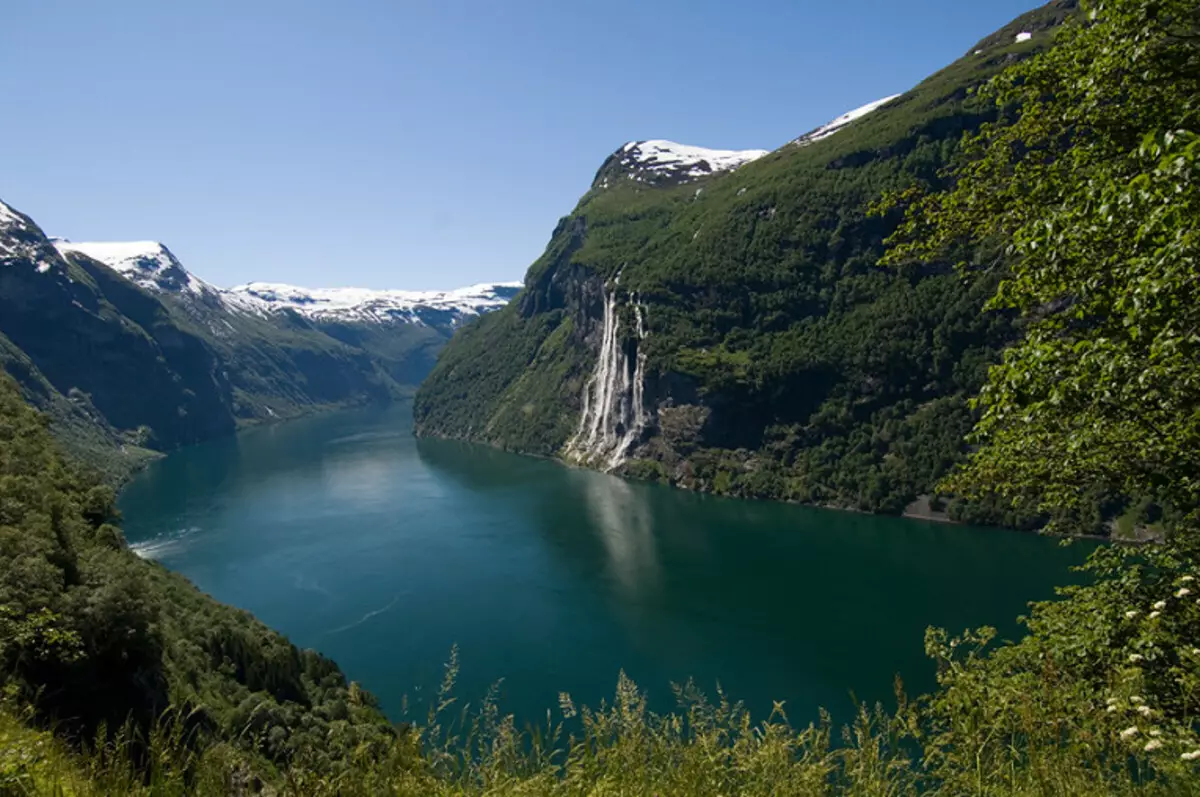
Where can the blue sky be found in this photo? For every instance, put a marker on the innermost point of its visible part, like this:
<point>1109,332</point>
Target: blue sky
<point>412,144</point>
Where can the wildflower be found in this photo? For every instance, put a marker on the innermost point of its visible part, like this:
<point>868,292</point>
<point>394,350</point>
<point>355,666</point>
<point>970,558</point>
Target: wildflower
<point>1160,605</point>
<point>1152,745</point>
<point>1154,732</point>
<point>1129,732</point>
<point>1136,699</point>
<point>1187,579</point>
<point>1132,613</point>
<point>1196,651</point>
<point>1192,756</point>
<point>1111,709</point>
<point>1183,592</point>
<point>1144,711</point>
<point>1136,657</point>
<point>1152,615</point>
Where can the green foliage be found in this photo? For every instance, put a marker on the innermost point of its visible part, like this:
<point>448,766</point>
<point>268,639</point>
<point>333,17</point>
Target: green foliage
<point>511,396</point>
<point>1095,182</point>
<point>92,637</point>
<point>822,377</point>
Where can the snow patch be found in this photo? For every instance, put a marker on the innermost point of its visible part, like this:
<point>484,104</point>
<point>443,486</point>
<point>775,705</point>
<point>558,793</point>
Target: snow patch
<point>827,130</point>
<point>365,304</point>
<point>650,161</point>
<point>1024,36</point>
<point>21,240</point>
<point>10,219</point>
<point>149,264</point>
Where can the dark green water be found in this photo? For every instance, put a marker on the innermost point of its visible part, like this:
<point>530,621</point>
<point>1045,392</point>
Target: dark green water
<point>382,551</point>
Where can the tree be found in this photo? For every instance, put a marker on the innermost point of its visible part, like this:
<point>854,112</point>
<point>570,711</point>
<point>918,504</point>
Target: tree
<point>1091,181</point>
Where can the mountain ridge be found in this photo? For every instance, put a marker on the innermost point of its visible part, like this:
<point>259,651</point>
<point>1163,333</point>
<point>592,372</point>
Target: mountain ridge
<point>151,265</point>
<point>129,352</point>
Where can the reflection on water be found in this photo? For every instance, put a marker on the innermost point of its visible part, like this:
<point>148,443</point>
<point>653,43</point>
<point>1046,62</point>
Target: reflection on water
<point>359,478</point>
<point>622,518</point>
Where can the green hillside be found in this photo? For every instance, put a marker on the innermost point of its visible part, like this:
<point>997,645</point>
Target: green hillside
<point>780,360</point>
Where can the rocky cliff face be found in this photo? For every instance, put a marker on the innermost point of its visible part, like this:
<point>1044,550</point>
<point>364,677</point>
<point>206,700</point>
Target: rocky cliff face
<point>727,329</point>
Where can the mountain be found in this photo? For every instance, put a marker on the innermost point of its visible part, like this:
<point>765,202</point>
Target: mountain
<point>719,322</point>
<point>153,267</point>
<point>127,351</point>
<point>661,162</point>
<point>402,331</point>
<point>148,264</point>
<point>349,305</point>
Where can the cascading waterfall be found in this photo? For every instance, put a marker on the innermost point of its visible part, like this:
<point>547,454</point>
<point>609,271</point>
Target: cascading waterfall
<point>613,415</point>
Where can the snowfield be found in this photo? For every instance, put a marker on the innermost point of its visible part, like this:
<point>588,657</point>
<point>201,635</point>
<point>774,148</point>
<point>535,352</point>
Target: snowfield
<point>649,161</point>
<point>151,265</point>
<point>365,304</point>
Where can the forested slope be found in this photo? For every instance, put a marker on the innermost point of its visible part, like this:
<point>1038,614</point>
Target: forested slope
<point>757,347</point>
<point>92,636</point>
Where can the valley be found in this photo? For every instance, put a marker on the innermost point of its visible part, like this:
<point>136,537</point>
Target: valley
<point>632,525</point>
<point>130,353</point>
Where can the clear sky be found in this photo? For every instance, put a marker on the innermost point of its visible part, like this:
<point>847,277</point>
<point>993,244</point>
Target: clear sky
<point>412,143</point>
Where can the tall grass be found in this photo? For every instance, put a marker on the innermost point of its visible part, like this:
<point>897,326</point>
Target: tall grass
<point>703,747</point>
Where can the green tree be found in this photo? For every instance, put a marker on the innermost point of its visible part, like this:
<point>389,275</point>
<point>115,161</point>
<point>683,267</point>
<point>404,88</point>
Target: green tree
<point>1090,185</point>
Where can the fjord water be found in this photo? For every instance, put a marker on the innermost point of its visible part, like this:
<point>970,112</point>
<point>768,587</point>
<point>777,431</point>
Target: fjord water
<point>383,551</point>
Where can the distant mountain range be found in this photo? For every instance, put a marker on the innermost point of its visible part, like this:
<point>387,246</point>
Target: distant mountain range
<point>127,350</point>
<point>152,266</point>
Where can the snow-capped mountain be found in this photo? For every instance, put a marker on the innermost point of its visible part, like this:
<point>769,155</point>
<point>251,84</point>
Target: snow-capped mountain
<point>148,264</point>
<point>12,222</point>
<point>125,347</point>
<point>366,305</point>
<point>658,161</point>
<point>20,239</point>
<point>152,266</point>
<point>827,130</point>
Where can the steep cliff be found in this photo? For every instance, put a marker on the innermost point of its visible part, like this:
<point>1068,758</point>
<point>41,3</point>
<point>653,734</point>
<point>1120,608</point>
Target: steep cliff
<point>729,330</point>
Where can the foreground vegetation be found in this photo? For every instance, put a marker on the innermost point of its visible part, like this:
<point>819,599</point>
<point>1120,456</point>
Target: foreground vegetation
<point>122,679</point>
<point>93,637</point>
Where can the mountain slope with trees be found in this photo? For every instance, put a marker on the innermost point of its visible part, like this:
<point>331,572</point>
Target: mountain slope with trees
<point>759,349</point>
<point>93,637</point>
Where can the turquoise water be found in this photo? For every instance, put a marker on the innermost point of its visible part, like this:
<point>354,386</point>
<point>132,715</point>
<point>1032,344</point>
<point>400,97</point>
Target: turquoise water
<point>383,551</point>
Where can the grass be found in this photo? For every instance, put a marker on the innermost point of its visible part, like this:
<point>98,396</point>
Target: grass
<point>618,748</point>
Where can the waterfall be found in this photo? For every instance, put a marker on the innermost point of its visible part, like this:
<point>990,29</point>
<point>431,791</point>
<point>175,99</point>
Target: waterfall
<point>613,415</point>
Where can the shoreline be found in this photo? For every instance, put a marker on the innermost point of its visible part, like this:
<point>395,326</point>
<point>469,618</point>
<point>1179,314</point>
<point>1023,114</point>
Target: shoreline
<point>908,514</point>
